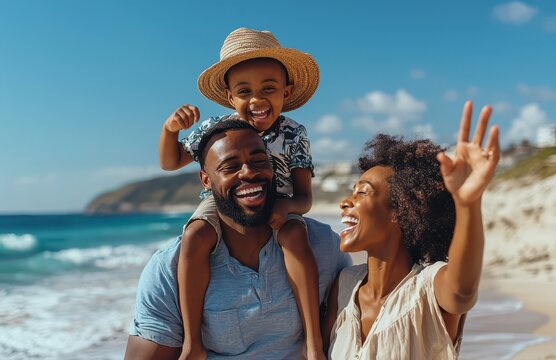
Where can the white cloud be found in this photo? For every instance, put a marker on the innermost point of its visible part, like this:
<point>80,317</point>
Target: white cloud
<point>537,93</point>
<point>424,131</point>
<point>501,107</point>
<point>531,117</point>
<point>450,95</point>
<point>389,125</point>
<point>549,24</point>
<point>401,105</point>
<point>333,149</point>
<point>328,124</point>
<point>473,90</point>
<point>417,74</point>
<point>514,12</point>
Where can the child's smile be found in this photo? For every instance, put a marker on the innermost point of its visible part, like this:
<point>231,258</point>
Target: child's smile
<point>257,90</point>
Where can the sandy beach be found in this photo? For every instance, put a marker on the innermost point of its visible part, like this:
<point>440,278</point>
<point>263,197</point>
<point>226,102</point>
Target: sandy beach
<point>520,252</point>
<point>519,260</point>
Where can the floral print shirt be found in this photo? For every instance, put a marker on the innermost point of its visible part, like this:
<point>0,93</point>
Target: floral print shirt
<point>286,141</point>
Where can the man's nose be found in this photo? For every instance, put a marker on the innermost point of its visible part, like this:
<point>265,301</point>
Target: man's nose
<point>246,172</point>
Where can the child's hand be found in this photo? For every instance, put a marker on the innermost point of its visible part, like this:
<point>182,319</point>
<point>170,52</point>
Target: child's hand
<point>279,214</point>
<point>183,118</point>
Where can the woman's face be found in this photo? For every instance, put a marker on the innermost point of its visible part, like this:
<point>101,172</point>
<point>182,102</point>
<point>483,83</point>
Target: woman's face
<point>367,213</point>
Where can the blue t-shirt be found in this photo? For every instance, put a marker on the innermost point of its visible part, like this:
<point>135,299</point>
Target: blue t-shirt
<point>247,314</point>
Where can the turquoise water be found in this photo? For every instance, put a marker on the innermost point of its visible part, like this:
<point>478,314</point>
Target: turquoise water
<point>33,247</point>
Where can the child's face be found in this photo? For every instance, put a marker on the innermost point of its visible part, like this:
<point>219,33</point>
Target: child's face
<point>257,90</point>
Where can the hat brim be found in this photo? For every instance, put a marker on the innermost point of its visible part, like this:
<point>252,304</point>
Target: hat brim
<point>303,73</point>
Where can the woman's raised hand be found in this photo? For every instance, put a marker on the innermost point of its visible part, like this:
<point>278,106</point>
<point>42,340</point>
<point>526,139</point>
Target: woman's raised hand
<point>467,175</point>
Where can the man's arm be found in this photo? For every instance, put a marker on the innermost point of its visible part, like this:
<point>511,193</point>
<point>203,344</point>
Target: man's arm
<point>141,349</point>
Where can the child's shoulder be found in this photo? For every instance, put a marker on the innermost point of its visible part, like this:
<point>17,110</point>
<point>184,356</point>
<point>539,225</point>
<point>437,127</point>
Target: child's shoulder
<point>286,121</point>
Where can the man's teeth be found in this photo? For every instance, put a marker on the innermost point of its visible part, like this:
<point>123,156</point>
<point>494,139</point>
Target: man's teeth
<point>350,220</point>
<point>249,191</point>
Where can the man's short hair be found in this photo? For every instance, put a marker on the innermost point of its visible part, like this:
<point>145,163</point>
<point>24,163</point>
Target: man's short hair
<point>220,127</point>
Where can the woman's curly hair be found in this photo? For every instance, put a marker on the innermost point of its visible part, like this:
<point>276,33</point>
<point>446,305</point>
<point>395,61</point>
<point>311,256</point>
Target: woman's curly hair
<point>423,207</point>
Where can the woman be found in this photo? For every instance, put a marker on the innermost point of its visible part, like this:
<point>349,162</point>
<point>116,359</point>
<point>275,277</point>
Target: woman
<point>411,210</point>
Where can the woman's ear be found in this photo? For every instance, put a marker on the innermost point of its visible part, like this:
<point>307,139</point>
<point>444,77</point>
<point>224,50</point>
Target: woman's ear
<point>393,218</point>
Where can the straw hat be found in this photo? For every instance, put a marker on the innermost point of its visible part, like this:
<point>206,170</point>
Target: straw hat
<point>244,44</point>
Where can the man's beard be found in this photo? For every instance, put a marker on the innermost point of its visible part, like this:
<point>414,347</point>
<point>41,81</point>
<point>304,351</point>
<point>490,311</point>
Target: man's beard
<point>228,206</point>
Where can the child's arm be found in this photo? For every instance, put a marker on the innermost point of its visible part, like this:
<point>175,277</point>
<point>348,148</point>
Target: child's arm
<point>466,177</point>
<point>301,201</point>
<point>171,154</point>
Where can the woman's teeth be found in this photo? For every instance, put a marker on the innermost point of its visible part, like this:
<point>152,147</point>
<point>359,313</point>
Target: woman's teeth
<point>350,221</point>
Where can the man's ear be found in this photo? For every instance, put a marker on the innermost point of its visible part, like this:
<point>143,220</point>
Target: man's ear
<point>205,181</point>
<point>230,97</point>
<point>288,91</point>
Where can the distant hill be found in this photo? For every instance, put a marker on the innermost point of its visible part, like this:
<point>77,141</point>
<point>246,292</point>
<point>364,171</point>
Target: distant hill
<point>181,192</point>
<point>153,195</point>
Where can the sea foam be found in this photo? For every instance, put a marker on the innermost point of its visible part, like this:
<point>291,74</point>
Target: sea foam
<point>17,243</point>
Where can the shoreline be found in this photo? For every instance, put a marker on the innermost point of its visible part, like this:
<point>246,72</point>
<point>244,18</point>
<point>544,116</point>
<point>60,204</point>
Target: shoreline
<point>537,296</point>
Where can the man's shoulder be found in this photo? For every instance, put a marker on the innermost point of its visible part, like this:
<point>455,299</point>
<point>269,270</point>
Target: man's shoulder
<point>320,234</point>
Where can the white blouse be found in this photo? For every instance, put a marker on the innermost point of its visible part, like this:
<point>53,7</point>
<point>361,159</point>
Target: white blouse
<point>408,326</point>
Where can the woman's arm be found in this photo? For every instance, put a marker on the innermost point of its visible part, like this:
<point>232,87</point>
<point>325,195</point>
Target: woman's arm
<point>466,177</point>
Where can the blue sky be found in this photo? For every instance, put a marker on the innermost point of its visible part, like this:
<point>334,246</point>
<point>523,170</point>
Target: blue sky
<point>86,86</point>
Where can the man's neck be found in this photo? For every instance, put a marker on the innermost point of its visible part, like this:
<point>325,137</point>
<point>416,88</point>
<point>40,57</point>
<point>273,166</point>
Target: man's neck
<point>244,242</point>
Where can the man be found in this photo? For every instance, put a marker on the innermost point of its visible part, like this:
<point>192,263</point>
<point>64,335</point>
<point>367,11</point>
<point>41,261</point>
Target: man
<point>250,310</point>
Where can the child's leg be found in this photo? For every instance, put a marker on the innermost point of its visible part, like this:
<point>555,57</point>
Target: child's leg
<point>303,276</point>
<point>200,236</point>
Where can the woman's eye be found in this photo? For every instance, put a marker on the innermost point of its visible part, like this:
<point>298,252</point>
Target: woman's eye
<point>243,91</point>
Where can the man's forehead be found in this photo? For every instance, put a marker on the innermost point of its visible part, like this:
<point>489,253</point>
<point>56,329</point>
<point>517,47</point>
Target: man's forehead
<point>234,141</point>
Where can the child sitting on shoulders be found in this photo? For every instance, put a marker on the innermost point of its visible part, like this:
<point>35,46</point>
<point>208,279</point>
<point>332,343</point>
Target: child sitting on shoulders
<point>259,79</point>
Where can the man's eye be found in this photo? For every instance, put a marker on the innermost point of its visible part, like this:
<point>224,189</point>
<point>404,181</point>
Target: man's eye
<point>262,162</point>
<point>230,168</point>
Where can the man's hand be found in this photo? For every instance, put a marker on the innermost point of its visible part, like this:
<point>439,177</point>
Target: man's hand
<point>183,118</point>
<point>468,174</point>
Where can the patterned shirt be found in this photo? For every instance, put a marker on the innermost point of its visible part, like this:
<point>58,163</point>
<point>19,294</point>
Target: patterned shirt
<point>286,141</point>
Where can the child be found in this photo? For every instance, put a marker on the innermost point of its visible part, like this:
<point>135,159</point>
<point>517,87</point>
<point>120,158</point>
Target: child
<point>260,80</point>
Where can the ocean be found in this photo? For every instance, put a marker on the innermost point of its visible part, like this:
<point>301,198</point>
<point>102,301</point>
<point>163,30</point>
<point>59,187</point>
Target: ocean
<point>67,288</point>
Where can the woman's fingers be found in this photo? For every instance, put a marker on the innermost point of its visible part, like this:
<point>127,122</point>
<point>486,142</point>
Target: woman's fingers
<point>465,124</point>
<point>482,125</point>
<point>446,163</point>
